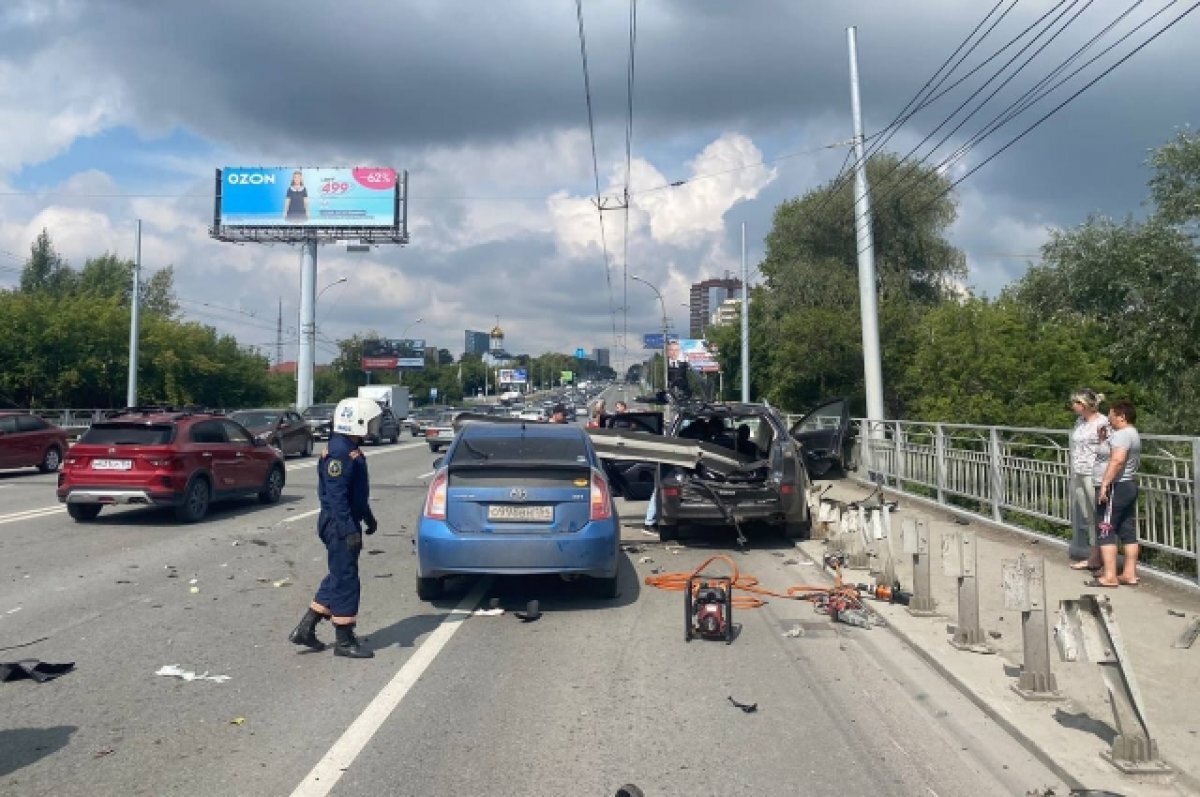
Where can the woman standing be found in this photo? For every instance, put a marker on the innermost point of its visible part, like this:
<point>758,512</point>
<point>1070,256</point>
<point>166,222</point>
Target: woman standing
<point>1090,431</point>
<point>1117,468</point>
<point>597,419</point>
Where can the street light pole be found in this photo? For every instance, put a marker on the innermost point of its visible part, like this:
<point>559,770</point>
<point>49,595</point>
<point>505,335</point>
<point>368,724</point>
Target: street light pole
<point>306,367</point>
<point>663,305</point>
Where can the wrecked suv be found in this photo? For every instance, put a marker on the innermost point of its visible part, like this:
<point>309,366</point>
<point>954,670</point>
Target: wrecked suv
<point>723,464</point>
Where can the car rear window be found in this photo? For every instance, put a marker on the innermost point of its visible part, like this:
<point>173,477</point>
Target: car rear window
<point>517,448</point>
<point>134,434</point>
<point>256,418</point>
<point>320,411</point>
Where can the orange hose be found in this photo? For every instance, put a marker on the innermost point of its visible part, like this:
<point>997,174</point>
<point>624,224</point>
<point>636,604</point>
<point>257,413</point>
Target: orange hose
<point>677,582</point>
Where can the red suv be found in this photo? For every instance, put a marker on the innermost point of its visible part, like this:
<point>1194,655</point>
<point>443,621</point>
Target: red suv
<point>27,441</point>
<point>169,458</point>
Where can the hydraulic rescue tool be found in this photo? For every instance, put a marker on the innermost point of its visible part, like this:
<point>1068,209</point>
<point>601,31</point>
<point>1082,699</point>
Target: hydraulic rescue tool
<point>708,608</point>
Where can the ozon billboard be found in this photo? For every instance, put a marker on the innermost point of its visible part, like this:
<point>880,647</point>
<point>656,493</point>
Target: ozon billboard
<point>364,196</point>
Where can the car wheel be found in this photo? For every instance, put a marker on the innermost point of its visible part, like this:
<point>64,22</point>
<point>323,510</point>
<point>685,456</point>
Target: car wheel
<point>667,531</point>
<point>796,529</point>
<point>434,448</point>
<point>195,501</point>
<point>606,588</point>
<point>308,448</point>
<point>274,487</point>
<point>396,436</point>
<point>275,444</point>
<point>819,467</point>
<point>83,512</point>
<point>430,588</point>
<point>51,460</point>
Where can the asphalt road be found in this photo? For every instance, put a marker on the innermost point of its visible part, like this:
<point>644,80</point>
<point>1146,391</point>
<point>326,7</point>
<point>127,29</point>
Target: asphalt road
<point>593,695</point>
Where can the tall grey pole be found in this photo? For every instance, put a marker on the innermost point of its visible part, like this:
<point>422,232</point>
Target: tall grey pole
<point>308,325</point>
<point>872,369</point>
<point>135,321</point>
<point>745,323</point>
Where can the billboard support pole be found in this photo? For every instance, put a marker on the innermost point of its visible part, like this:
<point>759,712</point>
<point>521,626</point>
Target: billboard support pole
<point>135,321</point>
<point>308,324</point>
<point>745,324</point>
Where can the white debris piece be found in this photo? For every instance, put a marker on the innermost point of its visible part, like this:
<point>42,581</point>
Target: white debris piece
<point>488,612</point>
<point>175,671</point>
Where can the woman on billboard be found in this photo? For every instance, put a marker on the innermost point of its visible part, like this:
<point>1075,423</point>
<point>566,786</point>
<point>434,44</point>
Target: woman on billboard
<point>295,208</point>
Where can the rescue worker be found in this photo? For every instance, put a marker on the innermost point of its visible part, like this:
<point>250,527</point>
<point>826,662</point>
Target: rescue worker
<point>344,490</point>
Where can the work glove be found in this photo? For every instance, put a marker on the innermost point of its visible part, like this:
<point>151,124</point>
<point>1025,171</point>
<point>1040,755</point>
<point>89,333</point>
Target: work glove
<point>372,525</point>
<point>354,541</point>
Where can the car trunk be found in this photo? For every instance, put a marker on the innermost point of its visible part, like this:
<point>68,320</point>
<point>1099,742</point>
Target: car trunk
<point>126,466</point>
<point>518,498</point>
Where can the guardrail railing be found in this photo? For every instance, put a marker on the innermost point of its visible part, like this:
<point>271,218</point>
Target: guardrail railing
<point>1020,477</point>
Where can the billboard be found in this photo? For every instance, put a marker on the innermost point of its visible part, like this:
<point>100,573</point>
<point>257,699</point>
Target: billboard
<point>390,354</point>
<point>700,355</point>
<point>308,197</point>
<point>513,376</point>
<point>654,340</point>
<point>567,377</point>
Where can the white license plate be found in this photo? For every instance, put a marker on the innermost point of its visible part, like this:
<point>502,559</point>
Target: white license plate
<point>519,513</point>
<point>112,464</point>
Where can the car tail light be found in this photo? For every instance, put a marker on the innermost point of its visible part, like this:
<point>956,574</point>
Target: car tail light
<point>601,499</point>
<point>670,492</point>
<point>787,488</point>
<point>431,433</point>
<point>435,501</point>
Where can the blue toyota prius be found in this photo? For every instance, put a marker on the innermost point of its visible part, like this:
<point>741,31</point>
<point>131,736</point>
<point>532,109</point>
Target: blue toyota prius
<point>518,498</point>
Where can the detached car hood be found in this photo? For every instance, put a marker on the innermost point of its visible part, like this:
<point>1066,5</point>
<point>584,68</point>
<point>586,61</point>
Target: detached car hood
<point>622,444</point>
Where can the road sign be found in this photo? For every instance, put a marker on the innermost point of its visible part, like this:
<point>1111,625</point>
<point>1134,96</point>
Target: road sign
<point>580,354</point>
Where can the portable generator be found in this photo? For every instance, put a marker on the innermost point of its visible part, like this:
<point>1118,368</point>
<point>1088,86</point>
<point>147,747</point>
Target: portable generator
<point>708,608</point>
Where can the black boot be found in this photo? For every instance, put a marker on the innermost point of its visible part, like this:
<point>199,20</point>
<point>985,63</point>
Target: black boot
<point>306,632</point>
<point>347,644</point>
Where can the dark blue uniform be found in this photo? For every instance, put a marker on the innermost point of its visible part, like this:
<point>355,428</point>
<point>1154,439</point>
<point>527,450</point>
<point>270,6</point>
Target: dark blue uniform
<point>344,489</point>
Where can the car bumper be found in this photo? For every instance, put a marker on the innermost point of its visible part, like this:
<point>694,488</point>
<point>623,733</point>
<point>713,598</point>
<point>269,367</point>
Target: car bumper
<point>592,551</point>
<point>756,507</point>
<point>106,495</point>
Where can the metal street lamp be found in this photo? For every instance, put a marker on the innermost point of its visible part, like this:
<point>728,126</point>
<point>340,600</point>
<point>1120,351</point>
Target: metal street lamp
<point>309,334</point>
<point>663,305</point>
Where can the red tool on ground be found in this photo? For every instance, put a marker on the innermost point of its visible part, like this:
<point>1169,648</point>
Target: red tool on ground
<point>708,608</point>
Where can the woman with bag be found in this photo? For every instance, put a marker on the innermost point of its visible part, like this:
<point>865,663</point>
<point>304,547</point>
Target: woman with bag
<point>1117,468</point>
<point>1087,436</point>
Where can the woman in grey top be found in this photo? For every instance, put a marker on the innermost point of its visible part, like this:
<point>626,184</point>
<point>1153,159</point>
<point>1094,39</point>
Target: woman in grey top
<point>1117,466</point>
<point>1089,433</point>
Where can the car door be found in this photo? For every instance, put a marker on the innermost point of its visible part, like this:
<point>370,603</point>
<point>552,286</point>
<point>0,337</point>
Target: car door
<point>824,436</point>
<point>214,452</point>
<point>285,430</point>
<point>10,452</point>
<point>35,435</point>
<point>633,480</point>
<point>299,432</point>
<point>251,464</point>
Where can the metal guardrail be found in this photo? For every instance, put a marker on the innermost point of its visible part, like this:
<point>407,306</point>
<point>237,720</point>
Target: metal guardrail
<point>1020,478</point>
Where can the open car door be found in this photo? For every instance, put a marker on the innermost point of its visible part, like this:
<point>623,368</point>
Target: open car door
<point>632,479</point>
<point>825,437</point>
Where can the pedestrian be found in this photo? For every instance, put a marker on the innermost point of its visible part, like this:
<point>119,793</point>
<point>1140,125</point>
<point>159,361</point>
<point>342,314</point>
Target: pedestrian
<point>597,419</point>
<point>621,406</point>
<point>558,414</point>
<point>344,490</point>
<point>1117,466</point>
<point>1089,433</point>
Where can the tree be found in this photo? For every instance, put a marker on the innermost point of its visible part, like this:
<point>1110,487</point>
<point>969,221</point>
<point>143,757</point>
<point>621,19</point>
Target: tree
<point>45,271</point>
<point>1175,186</point>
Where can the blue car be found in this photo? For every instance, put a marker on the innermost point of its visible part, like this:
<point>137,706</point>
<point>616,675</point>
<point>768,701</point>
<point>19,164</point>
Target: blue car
<point>513,498</point>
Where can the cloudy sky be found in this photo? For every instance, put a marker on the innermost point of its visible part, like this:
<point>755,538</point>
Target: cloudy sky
<point>115,110</point>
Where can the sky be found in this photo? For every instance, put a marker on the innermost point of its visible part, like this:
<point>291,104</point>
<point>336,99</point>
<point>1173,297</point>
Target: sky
<point>119,110</point>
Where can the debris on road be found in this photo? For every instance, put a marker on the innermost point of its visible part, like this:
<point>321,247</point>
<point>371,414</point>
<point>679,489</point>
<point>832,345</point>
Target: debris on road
<point>283,582</point>
<point>488,612</point>
<point>1176,613</point>
<point>791,561</point>
<point>25,644</point>
<point>645,560</point>
<point>238,721</point>
<point>383,575</point>
<point>794,633</point>
<point>375,552</point>
<point>532,612</point>
<point>175,671</point>
<point>632,548</point>
<point>33,669</point>
<point>748,708</point>
<point>194,590</point>
<point>994,634</point>
<point>1188,637</point>
<point>102,752</point>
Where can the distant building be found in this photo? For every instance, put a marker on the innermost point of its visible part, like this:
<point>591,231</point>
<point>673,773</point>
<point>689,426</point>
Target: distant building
<point>476,342</point>
<point>727,312</point>
<point>601,356</point>
<point>496,356</point>
<point>289,367</point>
<point>705,296</point>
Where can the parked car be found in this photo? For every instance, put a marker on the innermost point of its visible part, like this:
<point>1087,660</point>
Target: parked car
<point>537,415</point>
<point>516,499</point>
<point>184,460</point>
<point>284,429</point>
<point>389,427</point>
<point>27,441</point>
<point>320,420</point>
<point>440,433</point>
<point>421,418</point>
<point>717,463</point>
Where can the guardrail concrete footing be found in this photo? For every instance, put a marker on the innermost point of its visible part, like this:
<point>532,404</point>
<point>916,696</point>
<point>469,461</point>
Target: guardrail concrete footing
<point>960,560</point>
<point>1087,632</point>
<point>1024,584</point>
<point>916,543</point>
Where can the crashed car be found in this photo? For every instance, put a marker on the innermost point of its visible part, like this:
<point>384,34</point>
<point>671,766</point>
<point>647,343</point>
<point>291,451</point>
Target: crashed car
<point>714,464</point>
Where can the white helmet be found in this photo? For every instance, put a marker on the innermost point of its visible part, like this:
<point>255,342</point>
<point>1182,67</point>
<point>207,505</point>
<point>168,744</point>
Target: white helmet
<point>357,416</point>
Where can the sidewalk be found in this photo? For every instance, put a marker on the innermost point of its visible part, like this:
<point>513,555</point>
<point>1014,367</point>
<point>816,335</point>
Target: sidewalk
<point>1070,733</point>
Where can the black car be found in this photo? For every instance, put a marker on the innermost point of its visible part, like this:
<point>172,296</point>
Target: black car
<point>715,464</point>
<point>284,429</point>
<point>389,427</point>
<point>319,418</point>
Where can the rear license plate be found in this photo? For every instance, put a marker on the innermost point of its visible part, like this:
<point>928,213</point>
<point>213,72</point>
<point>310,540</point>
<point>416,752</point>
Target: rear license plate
<point>112,464</point>
<point>519,513</point>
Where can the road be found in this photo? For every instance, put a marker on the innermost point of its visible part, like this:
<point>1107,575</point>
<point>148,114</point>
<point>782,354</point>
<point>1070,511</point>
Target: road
<point>593,695</point>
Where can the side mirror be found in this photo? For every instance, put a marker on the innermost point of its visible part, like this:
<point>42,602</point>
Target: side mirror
<point>259,442</point>
<point>437,463</point>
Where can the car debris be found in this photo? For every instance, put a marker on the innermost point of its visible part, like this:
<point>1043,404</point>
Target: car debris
<point>532,612</point>
<point>794,633</point>
<point>383,575</point>
<point>645,560</point>
<point>238,721</point>
<point>175,671</point>
<point>283,582</point>
<point>748,708</point>
<point>34,670</point>
<point>1176,613</point>
<point>487,612</point>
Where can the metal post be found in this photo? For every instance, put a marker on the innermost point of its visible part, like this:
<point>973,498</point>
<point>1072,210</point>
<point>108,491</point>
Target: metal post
<point>996,474</point>
<point>1196,505</point>
<point>135,321</point>
<point>960,560</point>
<point>939,453</point>
<point>1024,584</point>
<point>745,323</point>
<point>308,325</point>
<point>916,542</point>
<point>872,369</point>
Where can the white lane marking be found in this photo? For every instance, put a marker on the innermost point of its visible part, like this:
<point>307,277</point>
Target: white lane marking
<point>302,515</point>
<point>427,475</point>
<point>325,775</point>
<point>32,514</point>
<point>402,447</point>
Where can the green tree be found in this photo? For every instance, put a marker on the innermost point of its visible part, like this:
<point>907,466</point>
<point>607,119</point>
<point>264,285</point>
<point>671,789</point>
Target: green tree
<point>46,271</point>
<point>1175,186</point>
